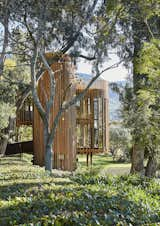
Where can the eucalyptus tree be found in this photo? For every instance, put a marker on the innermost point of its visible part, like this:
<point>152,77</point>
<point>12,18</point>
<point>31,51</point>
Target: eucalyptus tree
<point>149,64</point>
<point>8,76</point>
<point>4,29</point>
<point>72,27</point>
<point>139,19</point>
<point>13,79</point>
<point>120,142</point>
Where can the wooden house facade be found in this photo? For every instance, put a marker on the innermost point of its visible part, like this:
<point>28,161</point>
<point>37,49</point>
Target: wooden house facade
<point>64,143</point>
<point>83,128</point>
<point>92,117</point>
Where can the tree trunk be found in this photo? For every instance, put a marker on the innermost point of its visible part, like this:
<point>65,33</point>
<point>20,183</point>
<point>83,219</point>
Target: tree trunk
<point>6,135</point>
<point>137,160</point>
<point>151,167</point>
<point>48,149</point>
<point>48,158</point>
<point>3,145</point>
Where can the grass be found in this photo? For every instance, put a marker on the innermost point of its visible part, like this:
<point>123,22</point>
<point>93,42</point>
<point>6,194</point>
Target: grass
<point>29,196</point>
<point>104,164</point>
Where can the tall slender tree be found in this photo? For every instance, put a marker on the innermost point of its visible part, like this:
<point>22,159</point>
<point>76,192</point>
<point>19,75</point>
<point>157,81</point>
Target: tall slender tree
<point>135,31</point>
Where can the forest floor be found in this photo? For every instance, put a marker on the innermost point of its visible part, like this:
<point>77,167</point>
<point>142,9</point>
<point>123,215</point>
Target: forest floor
<point>89,196</point>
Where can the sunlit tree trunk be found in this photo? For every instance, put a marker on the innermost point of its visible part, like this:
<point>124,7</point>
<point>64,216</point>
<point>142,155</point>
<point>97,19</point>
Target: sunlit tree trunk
<point>137,159</point>
<point>48,158</point>
<point>48,150</point>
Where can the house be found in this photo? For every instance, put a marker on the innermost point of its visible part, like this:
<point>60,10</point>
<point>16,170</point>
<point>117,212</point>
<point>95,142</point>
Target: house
<point>82,129</point>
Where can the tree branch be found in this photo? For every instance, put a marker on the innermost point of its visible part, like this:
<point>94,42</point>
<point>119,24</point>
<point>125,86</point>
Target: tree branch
<point>26,92</point>
<point>90,58</point>
<point>28,29</point>
<point>34,86</point>
<point>5,42</point>
<point>51,73</point>
<point>81,95</point>
<point>72,40</point>
<point>148,27</point>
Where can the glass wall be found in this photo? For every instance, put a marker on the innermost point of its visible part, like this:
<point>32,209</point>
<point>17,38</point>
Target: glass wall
<point>91,121</point>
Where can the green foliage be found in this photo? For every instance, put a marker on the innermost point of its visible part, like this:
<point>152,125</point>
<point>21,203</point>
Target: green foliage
<point>7,97</point>
<point>29,196</point>
<point>149,99</point>
<point>6,110</point>
<point>25,133</point>
<point>12,79</point>
<point>141,103</point>
<point>148,62</point>
<point>120,141</point>
<point>142,109</point>
<point>8,86</point>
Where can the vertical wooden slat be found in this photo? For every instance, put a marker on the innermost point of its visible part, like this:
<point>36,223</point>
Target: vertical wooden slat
<point>64,147</point>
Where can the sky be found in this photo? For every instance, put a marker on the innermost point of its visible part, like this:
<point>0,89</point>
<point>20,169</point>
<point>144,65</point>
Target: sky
<point>116,74</point>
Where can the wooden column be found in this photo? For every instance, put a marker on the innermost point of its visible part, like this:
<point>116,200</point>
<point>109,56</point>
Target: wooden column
<point>64,156</point>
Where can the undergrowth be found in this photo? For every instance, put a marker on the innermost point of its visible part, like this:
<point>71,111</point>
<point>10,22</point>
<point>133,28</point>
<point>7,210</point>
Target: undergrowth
<point>29,196</point>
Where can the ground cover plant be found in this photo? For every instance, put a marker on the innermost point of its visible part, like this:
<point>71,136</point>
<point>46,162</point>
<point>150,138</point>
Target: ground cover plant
<point>30,196</point>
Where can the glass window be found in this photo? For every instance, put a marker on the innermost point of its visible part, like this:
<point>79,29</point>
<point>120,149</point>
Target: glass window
<point>96,124</point>
<point>78,103</point>
<point>100,138</point>
<point>89,106</point>
<point>95,108</point>
<point>96,138</point>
